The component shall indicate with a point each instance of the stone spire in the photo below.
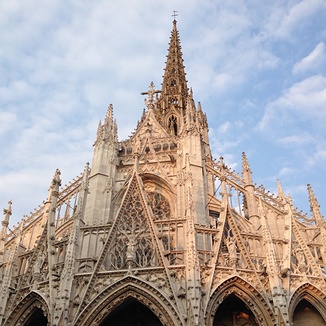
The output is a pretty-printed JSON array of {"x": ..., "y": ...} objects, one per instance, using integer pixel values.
[{"x": 174, "y": 92}]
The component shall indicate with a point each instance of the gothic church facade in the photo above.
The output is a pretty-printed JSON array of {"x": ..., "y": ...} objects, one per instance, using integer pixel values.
[{"x": 157, "y": 232}]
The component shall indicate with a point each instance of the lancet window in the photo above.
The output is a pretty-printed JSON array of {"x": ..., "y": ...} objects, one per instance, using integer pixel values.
[{"x": 173, "y": 125}]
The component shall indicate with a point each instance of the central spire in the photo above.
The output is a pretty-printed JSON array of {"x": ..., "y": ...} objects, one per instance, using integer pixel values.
[{"x": 173, "y": 100}]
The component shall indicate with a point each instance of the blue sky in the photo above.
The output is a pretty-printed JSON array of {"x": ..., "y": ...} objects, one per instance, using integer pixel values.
[{"x": 257, "y": 67}]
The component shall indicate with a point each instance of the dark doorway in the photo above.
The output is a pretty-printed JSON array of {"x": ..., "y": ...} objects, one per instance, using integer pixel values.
[
  {"x": 131, "y": 312},
  {"x": 37, "y": 318},
  {"x": 233, "y": 311},
  {"x": 306, "y": 314}
]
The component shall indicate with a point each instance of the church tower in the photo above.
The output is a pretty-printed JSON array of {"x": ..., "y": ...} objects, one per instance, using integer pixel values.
[{"x": 157, "y": 232}]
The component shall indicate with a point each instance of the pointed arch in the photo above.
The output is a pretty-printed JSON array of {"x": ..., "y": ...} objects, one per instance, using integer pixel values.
[
  {"x": 26, "y": 307},
  {"x": 163, "y": 211},
  {"x": 129, "y": 288},
  {"x": 173, "y": 124},
  {"x": 311, "y": 294},
  {"x": 153, "y": 182},
  {"x": 241, "y": 289}
]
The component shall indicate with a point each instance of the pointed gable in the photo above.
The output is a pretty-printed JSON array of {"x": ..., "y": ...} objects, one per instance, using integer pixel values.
[{"x": 133, "y": 243}]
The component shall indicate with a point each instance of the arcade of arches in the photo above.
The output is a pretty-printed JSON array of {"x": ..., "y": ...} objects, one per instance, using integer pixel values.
[{"x": 231, "y": 312}]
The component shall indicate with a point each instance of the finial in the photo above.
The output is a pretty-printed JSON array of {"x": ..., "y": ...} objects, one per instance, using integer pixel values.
[
  {"x": 175, "y": 14},
  {"x": 8, "y": 211}
]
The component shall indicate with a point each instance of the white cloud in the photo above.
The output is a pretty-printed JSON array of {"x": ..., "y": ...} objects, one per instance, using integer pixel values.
[
  {"x": 318, "y": 157},
  {"x": 284, "y": 21},
  {"x": 62, "y": 64},
  {"x": 7, "y": 122},
  {"x": 284, "y": 171},
  {"x": 302, "y": 138},
  {"x": 302, "y": 102},
  {"x": 313, "y": 60}
]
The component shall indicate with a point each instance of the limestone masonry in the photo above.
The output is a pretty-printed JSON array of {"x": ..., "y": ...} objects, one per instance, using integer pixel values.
[{"x": 157, "y": 232}]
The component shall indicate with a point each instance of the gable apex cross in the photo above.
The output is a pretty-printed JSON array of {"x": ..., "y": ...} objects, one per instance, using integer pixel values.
[{"x": 150, "y": 94}]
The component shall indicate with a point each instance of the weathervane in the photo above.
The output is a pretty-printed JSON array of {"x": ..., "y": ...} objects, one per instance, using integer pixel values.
[{"x": 175, "y": 14}]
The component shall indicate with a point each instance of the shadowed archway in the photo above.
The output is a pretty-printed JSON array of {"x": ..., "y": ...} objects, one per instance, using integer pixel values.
[
  {"x": 131, "y": 312},
  {"x": 308, "y": 306},
  {"x": 233, "y": 311},
  {"x": 305, "y": 314},
  {"x": 129, "y": 294},
  {"x": 236, "y": 302},
  {"x": 37, "y": 318},
  {"x": 32, "y": 310}
]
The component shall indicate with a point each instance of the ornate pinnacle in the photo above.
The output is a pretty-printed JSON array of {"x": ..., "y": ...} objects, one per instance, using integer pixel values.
[
  {"x": 109, "y": 114},
  {"x": 55, "y": 184},
  {"x": 56, "y": 179},
  {"x": 246, "y": 169},
  {"x": 7, "y": 213},
  {"x": 314, "y": 206},
  {"x": 279, "y": 188}
]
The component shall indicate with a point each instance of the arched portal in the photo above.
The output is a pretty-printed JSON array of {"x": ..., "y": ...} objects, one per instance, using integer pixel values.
[
  {"x": 305, "y": 314},
  {"x": 308, "y": 306},
  {"x": 37, "y": 318},
  {"x": 131, "y": 312},
  {"x": 233, "y": 311},
  {"x": 126, "y": 295},
  {"x": 32, "y": 310},
  {"x": 236, "y": 302}
]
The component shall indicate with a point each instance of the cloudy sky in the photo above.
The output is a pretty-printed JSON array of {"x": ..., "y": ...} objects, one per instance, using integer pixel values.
[{"x": 257, "y": 67}]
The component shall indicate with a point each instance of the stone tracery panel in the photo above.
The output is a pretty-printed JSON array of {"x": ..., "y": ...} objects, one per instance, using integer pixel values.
[
  {"x": 160, "y": 206},
  {"x": 166, "y": 226},
  {"x": 133, "y": 245}
]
